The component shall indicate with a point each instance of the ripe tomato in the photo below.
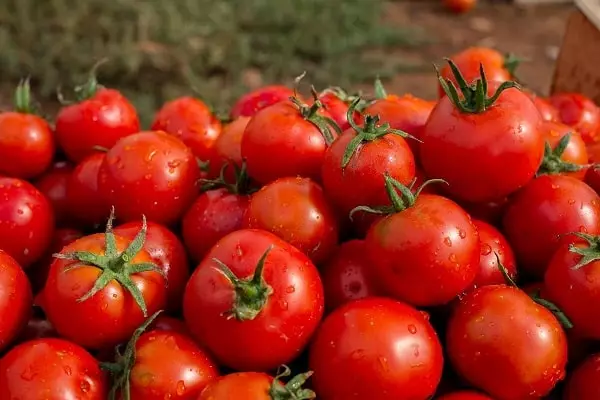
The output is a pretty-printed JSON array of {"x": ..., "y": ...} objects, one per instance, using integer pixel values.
[
  {"x": 256, "y": 295},
  {"x": 228, "y": 147},
  {"x": 502, "y": 138},
  {"x": 16, "y": 299},
  {"x": 504, "y": 343},
  {"x": 287, "y": 139},
  {"x": 565, "y": 151},
  {"x": 426, "y": 252},
  {"x": 190, "y": 120},
  {"x": 98, "y": 118},
  {"x": 489, "y": 211},
  {"x": 548, "y": 207},
  {"x": 53, "y": 185},
  {"x": 459, "y": 6},
  {"x": 336, "y": 102},
  {"x": 87, "y": 204},
  {"x": 389, "y": 349},
  {"x": 592, "y": 177},
  {"x": 584, "y": 381},
  {"x": 546, "y": 109},
  {"x": 165, "y": 323},
  {"x": 580, "y": 113},
  {"x": 101, "y": 287},
  {"x": 347, "y": 275},
  {"x": 167, "y": 253},
  {"x": 254, "y": 101},
  {"x": 464, "y": 395},
  {"x": 150, "y": 173},
  {"x": 296, "y": 210},
  {"x": 37, "y": 328},
  {"x": 27, "y": 142},
  {"x": 26, "y": 221}
]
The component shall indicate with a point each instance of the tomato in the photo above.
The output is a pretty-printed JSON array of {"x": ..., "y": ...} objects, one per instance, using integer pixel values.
[
  {"x": 489, "y": 211},
  {"x": 459, "y": 6},
  {"x": 296, "y": 210},
  {"x": 377, "y": 349},
  {"x": 504, "y": 343},
  {"x": 98, "y": 119},
  {"x": 464, "y": 395},
  {"x": 548, "y": 207},
  {"x": 254, "y": 301},
  {"x": 287, "y": 139},
  {"x": 546, "y": 109},
  {"x": 150, "y": 173},
  {"x": 254, "y": 101},
  {"x": 26, "y": 221},
  {"x": 565, "y": 151},
  {"x": 167, "y": 253},
  {"x": 493, "y": 244},
  {"x": 37, "y": 328},
  {"x": 27, "y": 142},
  {"x": 228, "y": 146},
  {"x": 88, "y": 206},
  {"x": 101, "y": 287},
  {"x": 165, "y": 323},
  {"x": 502, "y": 138},
  {"x": 52, "y": 369},
  {"x": 593, "y": 150},
  {"x": 584, "y": 381},
  {"x": 592, "y": 177},
  {"x": 16, "y": 299},
  {"x": 53, "y": 185},
  {"x": 347, "y": 275},
  {"x": 426, "y": 252},
  {"x": 580, "y": 113},
  {"x": 336, "y": 102},
  {"x": 190, "y": 120}
]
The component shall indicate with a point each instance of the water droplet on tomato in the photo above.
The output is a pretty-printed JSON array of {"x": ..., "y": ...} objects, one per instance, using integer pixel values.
[
  {"x": 180, "y": 388},
  {"x": 447, "y": 241},
  {"x": 412, "y": 329},
  {"x": 452, "y": 258},
  {"x": 486, "y": 249},
  {"x": 290, "y": 289},
  {"x": 85, "y": 386},
  {"x": 357, "y": 354},
  {"x": 68, "y": 370},
  {"x": 462, "y": 233}
]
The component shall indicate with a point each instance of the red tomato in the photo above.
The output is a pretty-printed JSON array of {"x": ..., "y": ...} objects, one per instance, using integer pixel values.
[
  {"x": 87, "y": 204},
  {"x": 459, "y": 6},
  {"x": 336, "y": 102},
  {"x": 566, "y": 153},
  {"x": 287, "y": 139},
  {"x": 377, "y": 349},
  {"x": 16, "y": 299},
  {"x": 101, "y": 287},
  {"x": 490, "y": 211},
  {"x": 593, "y": 150},
  {"x": 592, "y": 177},
  {"x": 347, "y": 275},
  {"x": 51, "y": 369},
  {"x": 504, "y": 343},
  {"x": 584, "y": 381},
  {"x": 165, "y": 323},
  {"x": 150, "y": 173},
  {"x": 548, "y": 207},
  {"x": 37, "y": 328},
  {"x": 502, "y": 139},
  {"x": 98, "y": 119},
  {"x": 190, "y": 120},
  {"x": 53, "y": 185},
  {"x": 167, "y": 253},
  {"x": 27, "y": 142},
  {"x": 256, "y": 295},
  {"x": 296, "y": 210},
  {"x": 580, "y": 113},
  {"x": 254, "y": 101},
  {"x": 228, "y": 147},
  {"x": 493, "y": 243},
  {"x": 547, "y": 110},
  {"x": 26, "y": 221}
]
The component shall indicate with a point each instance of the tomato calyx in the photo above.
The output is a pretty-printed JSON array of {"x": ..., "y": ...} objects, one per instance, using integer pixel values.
[
  {"x": 114, "y": 265},
  {"x": 311, "y": 114},
  {"x": 552, "y": 163},
  {"x": 292, "y": 390},
  {"x": 512, "y": 62},
  {"x": 120, "y": 369},
  {"x": 588, "y": 254},
  {"x": 379, "y": 90},
  {"x": 22, "y": 98},
  {"x": 241, "y": 186},
  {"x": 475, "y": 99},
  {"x": 88, "y": 89},
  {"x": 251, "y": 294}
]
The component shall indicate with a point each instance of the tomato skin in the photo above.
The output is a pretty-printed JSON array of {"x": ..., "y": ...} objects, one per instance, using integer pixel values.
[
  {"x": 546, "y": 109},
  {"x": 592, "y": 178},
  {"x": 295, "y": 307},
  {"x": 167, "y": 253},
  {"x": 580, "y": 113},
  {"x": 252, "y": 102},
  {"x": 504, "y": 141},
  {"x": 504, "y": 343},
  {"x": 149, "y": 173},
  {"x": 52, "y": 369},
  {"x": 26, "y": 145},
  {"x": 296, "y": 210},
  {"x": 464, "y": 395},
  {"x": 575, "y": 152},
  {"x": 16, "y": 299},
  {"x": 459, "y": 6},
  {"x": 169, "y": 365},
  {"x": 53, "y": 185},
  {"x": 26, "y": 221},
  {"x": 549, "y": 206},
  {"x": 100, "y": 121},
  {"x": 87, "y": 204},
  {"x": 388, "y": 348},
  {"x": 412, "y": 251},
  {"x": 239, "y": 385},
  {"x": 338, "y": 109},
  {"x": 228, "y": 146},
  {"x": 584, "y": 381},
  {"x": 213, "y": 215},
  {"x": 165, "y": 323},
  {"x": 110, "y": 316}
]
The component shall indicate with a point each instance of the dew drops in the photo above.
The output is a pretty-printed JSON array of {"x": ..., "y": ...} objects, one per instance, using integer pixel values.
[
  {"x": 452, "y": 258},
  {"x": 486, "y": 249},
  {"x": 290, "y": 289},
  {"x": 447, "y": 241},
  {"x": 68, "y": 370},
  {"x": 180, "y": 388},
  {"x": 85, "y": 386},
  {"x": 462, "y": 233},
  {"x": 412, "y": 329}
]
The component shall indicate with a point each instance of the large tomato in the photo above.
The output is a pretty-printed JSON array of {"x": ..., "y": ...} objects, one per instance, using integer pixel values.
[
  {"x": 254, "y": 301},
  {"x": 16, "y": 299},
  {"x": 494, "y": 248},
  {"x": 26, "y": 221},
  {"x": 499, "y": 134},
  {"x": 584, "y": 381},
  {"x": 565, "y": 152},
  {"x": 548, "y": 207},
  {"x": 254, "y": 101},
  {"x": 580, "y": 113},
  {"x": 53, "y": 185},
  {"x": 52, "y": 369},
  {"x": 376, "y": 349},
  {"x": 503, "y": 342},
  {"x": 150, "y": 173},
  {"x": 87, "y": 204},
  {"x": 101, "y": 287}
]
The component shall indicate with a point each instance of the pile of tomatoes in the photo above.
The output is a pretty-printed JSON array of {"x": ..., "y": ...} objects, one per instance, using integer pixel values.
[{"x": 381, "y": 247}]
